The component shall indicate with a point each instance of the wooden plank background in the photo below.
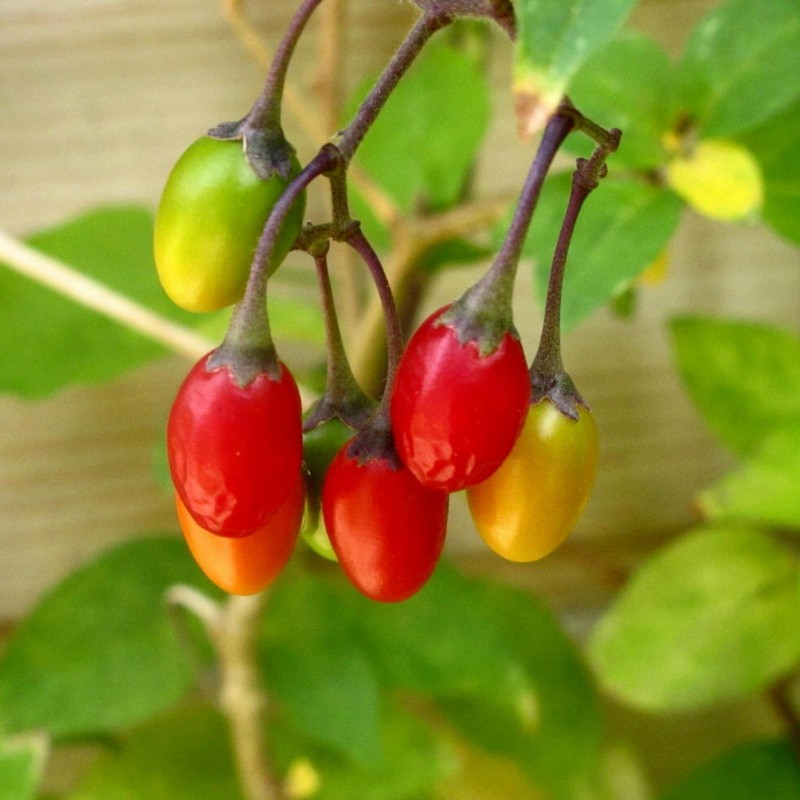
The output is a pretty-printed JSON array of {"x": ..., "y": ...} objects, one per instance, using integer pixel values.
[{"x": 98, "y": 99}]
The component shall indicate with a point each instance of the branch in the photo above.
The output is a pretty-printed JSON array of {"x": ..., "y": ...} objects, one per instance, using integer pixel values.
[
  {"x": 94, "y": 295},
  {"x": 411, "y": 239},
  {"x": 242, "y": 697},
  {"x": 382, "y": 205}
]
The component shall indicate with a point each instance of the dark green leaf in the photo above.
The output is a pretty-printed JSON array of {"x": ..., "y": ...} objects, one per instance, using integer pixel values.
[
  {"x": 765, "y": 490},
  {"x": 774, "y": 145},
  {"x": 451, "y": 253},
  {"x": 712, "y": 617},
  {"x": 743, "y": 377},
  {"x": 502, "y": 669},
  {"x": 318, "y": 670},
  {"x": 99, "y": 651},
  {"x": 623, "y": 227},
  {"x": 182, "y": 756},
  {"x": 50, "y": 341},
  {"x": 21, "y": 767},
  {"x": 748, "y": 771},
  {"x": 628, "y": 85},
  {"x": 738, "y": 62},
  {"x": 414, "y": 759},
  {"x": 556, "y": 731},
  {"x": 553, "y": 42},
  {"x": 423, "y": 145}
]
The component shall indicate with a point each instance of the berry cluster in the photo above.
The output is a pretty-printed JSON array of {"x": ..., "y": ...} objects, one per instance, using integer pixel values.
[{"x": 461, "y": 407}]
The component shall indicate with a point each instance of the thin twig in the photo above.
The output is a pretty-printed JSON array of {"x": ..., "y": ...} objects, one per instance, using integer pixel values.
[
  {"x": 411, "y": 239},
  {"x": 382, "y": 205},
  {"x": 92, "y": 294},
  {"x": 242, "y": 697}
]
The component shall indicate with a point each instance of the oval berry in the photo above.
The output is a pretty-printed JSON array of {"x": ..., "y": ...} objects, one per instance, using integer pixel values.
[
  {"x": 234, "y": 452},
  {"x": 249, "y": 564},
  {"x": 210, "y": 217},
  {"x": 386, "y": 528},
  {"x": 456, "y": 413},
  {"x": 531, "y": 503}
]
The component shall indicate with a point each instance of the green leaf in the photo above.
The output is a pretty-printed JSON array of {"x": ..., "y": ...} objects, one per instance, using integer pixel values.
[
  {"x": 774, "y": 145},
  {"x": 765, "y": 490},
  {"x": 423, "y": 145},
  {"x": 623, "y": 227},
  {"x": 556, "y": 732},
  {"x": 712, "y": 617},
  {"x": 553, "y": 42},
  {"x": 629, "y": 85},
  {"x": 453, "y": 253},
  {"x": 501, "y": 668},
  {"x": 318, "y": 670},
  {"x": 99, "y": 651},
  {"x": 414, "y": 759},
  {"x": 744, "y": 377},
  {"x": 762, "y": 768},
  {"x": 737, "y": 63},
  {"x": 50, "y": 341},
  {"x": 181, "y": 756},
  {"x": 21, "y": 766}
]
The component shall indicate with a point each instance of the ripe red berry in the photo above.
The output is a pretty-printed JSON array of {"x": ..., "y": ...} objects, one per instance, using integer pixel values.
[
  {"x": 234, "y": 451},
  {"x": 455, "y": 412},
  {"x": 386, "y": 528}
]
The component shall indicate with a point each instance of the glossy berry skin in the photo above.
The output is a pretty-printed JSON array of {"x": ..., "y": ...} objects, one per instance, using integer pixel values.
[
  {"x": 455, "y": 413},
  {"x": 249, "y": 564},
  {"x": 386, "y": 528},
  {"x": 210, "y": 217},
  {"x": 528, "y": 507},
  {"x": 234, "y": 453}
]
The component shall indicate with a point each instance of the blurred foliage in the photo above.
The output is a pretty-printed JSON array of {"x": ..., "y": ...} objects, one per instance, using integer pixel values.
[{"x": 470, "y": 689}]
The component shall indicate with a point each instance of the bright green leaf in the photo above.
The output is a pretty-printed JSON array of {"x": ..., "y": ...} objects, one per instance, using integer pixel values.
[
  {"x": 765, "y": 490},
  {"x": 182, "y": 756},
  {"x": 774, "y": 145},
  {"x": 748, "y": 771},
  {"x": 414, "y": 759},
  {"x": 66, "y": 342},
  {"x": 423, "y": 145},
  {"x": 623, "y": 227},
  {"x": 627, "y": 85},
  {"x": 99, "y": 650},
  {"x": 553, "y": 42},
  {"x": 318, "y": 670},
  {"x": 712, "y": 617},
  {"x": 21, "y": 766},
  {"x": 739, "y": 62},
  {"x": 744, "y": 377}
]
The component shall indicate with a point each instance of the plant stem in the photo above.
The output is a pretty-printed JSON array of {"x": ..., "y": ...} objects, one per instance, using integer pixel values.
[
  {"x": 394, "y": 335},
  {"x": 242, "y": 697},
  {"x": 89, "y": 293},
  {"x": 349, "y": 140},
  {"x": 343, "y": 396},
  {"x": 266, "y": 111},
  {"x": 249, "y": 327},
  {"x": 497, "y": 286},
  {"x": 547, "y": 363}
]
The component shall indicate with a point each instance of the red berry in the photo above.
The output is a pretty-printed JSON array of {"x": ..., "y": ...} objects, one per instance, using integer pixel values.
[
  {"x": 386, "y": 528},
  {"x": 456, "y": 413},
  {"x": 234, "y": 452}
]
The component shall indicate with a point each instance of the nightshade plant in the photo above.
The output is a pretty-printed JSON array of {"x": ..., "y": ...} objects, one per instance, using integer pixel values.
[{"x": 465, "y": 687}]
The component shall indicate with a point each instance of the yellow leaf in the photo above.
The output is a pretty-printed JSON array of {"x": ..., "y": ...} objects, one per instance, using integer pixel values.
[{"x": 717, "y": 178}]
